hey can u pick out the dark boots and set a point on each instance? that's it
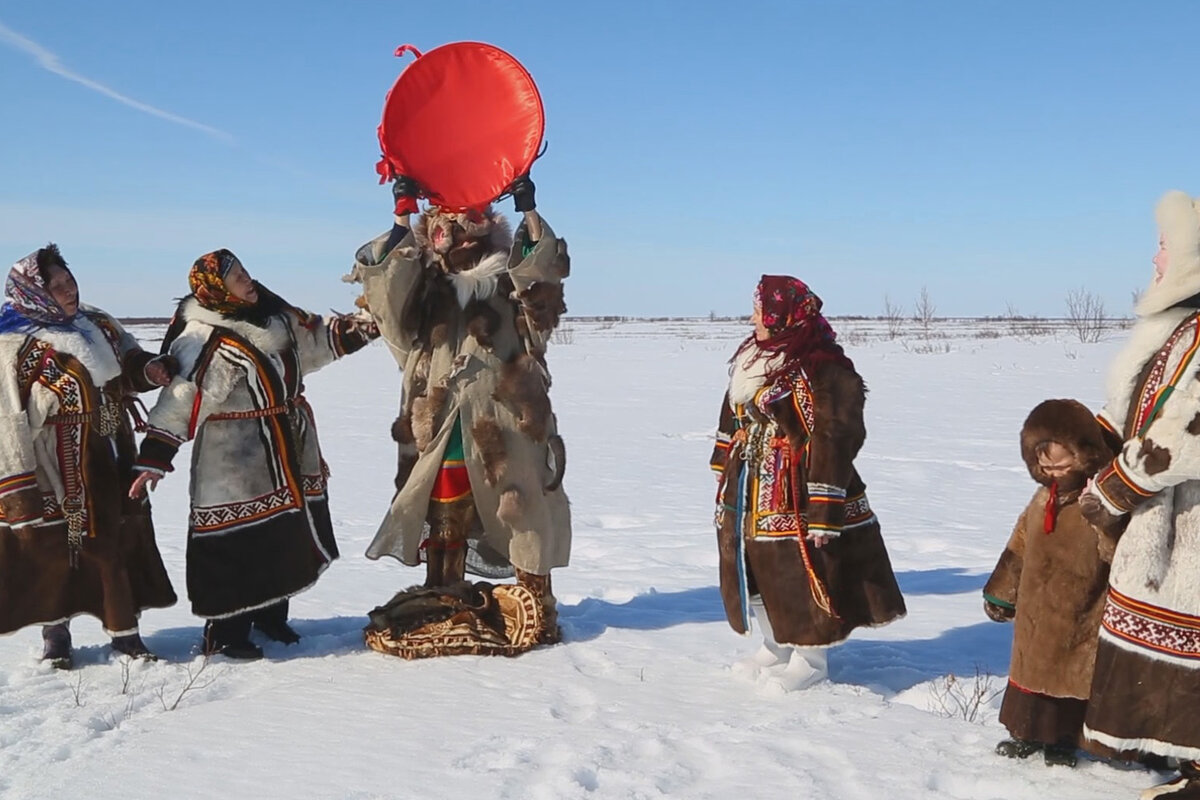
(230, 637)
(539, 585)
(132, 645)
(272, 623)
(56, 645)
(1060, 755)
(1056, 755)
(1017, 748)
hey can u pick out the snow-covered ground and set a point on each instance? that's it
(639, 701)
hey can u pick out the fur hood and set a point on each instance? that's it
(471, 251)
(1179, 223)
(1069, 423)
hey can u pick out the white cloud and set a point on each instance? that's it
(50, 62)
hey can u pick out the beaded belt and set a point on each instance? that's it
(106, 419)
(258, 413)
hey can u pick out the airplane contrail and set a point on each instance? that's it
(50, 62)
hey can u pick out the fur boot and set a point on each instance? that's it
(446, 548)
(132, 645)
(56, 645)
(539, 585)
(771, 653)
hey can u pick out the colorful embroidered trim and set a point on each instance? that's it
(1151, 627)
(15, 483)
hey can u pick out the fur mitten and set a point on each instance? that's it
(1103, 520)
(998, 613)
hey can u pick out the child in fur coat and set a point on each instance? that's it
(1057, 565)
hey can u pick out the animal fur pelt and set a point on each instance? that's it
(461, 619)
(418, 606)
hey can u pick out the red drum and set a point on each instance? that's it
(463, 120)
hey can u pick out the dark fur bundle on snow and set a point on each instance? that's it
(418, 606)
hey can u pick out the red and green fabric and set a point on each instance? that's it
(452, 482)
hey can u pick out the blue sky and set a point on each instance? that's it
(997, 152)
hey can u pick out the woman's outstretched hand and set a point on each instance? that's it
(141, 482)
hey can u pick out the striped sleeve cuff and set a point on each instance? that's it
(826, 509)
(158, 451)
(12, 484)
(1119, 493)
(21, 507)
(720, 453)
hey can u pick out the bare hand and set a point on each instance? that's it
(818, 540)
(143, 480)
(157, 374)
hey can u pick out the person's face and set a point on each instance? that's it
(760, 330)
(240, 285)
(1161, 261)
(63, 289)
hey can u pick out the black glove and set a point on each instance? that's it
(405, 191)
(522, 194)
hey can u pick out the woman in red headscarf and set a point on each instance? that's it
(798, 541)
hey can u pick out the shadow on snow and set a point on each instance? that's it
(944, 580)
(651, 611)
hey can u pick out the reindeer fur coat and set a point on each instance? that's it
(1053, 572)
(472, 348)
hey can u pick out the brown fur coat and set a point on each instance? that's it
(821, 485)
(469, 327)
(1055, 579)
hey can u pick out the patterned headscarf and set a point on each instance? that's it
(796, 329)
(207, 281)
(27, 301)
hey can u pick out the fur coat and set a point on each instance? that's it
(1054, 570)
(472, 348)
(785, 464)
(258, 528)
(71, 541)
(1146, 688)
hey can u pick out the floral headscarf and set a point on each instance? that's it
(27, 301)
(207, 281)
(796, 329)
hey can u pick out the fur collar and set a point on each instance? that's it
(97, 355)
(481, 280)
(274, 338)
(1179, 223)
(1149, 334)
(745, 379)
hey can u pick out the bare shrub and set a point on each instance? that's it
(927, 347)
(1085, 315)
(964, 698)
(192, 683)
(563, 334)
(893, 315)
(78, 689)
(923, 311)
(853, 337)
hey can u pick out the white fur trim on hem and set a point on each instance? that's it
(1154, 746)
(127, 632)
(267, 603)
